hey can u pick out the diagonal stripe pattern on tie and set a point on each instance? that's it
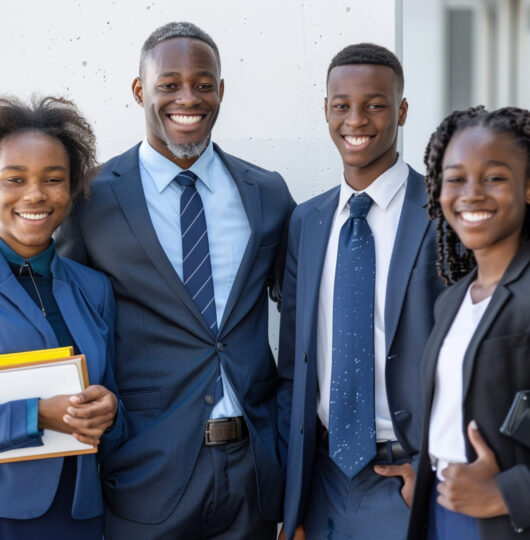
(196, 265)
(352, 443)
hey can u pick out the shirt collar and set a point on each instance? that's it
(40, 264)
(382, 190)
(163, 170)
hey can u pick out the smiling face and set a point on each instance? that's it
(181, 92)
(363, 110)
(34, 191)
(485, 191)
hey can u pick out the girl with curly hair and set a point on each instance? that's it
(47, 156)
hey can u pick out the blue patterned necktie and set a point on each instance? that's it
(352, 443)
(196, 265)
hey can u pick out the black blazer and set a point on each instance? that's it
(496, 366)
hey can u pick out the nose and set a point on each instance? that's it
(356, 117)
(35, 192)
(187, 96)
(472, 190)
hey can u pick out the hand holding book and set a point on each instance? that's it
(85, 415)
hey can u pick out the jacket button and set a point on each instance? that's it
(305, 358)
(301, 428)
(219, 346)
(209, 399)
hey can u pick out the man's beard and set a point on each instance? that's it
(188, 150)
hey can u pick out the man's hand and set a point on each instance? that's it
(299, 533)
(471, 488)
(406, 472)
(85, 415)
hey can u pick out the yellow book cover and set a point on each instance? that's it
(27, 357)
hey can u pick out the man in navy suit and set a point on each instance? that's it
(191, 239)
(356, 313)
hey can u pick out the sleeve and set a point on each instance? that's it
(514, 485)
(18, 424)
(117, 433)
(286, 355)
(276, 279)
(69, 240)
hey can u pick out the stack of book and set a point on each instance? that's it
(43, 374)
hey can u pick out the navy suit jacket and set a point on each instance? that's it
(496, 366)
(412, 288)
(84, 297)
(167, 357)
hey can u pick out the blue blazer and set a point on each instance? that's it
(86, 303)
(167, 357)
(412, 288)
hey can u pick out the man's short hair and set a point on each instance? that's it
(176, 30)
(369, 53)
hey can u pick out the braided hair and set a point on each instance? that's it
(454, 259)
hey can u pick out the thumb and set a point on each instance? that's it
(479, 444)
(386, 470)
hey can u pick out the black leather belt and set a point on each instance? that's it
(225, 430)
(387, 452)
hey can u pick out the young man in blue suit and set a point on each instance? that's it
(359, 286)
(191, 239)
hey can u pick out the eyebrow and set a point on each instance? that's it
(490, 162)
(202, 73)
(22, 168)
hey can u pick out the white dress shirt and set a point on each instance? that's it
(387, 192)
(446, 429)
(226, 222)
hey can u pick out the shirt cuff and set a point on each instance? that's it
(32, 418)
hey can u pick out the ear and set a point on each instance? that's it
(326, 108)
(221, 90)
(402, 113)
(527, 191)
(138, 91)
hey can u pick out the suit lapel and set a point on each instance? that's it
(500, 296)
(15, 293)
(250, 197)
(412, 226)
(130, 194)
(314, 242)
(78, 321)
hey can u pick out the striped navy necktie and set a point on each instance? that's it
(196, 265)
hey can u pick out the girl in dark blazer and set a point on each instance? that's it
(46, 153)
(473, 482)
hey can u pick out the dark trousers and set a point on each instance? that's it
(448, 525)
(220, 503)
(57, 522)
(368, 507)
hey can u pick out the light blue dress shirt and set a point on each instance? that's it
(226, 221)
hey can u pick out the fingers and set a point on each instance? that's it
(90, 393)
(477, 441)
(405, 470)
(93, 441)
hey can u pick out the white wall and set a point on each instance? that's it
(274, 55)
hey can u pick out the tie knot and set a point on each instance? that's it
(186, 178)
(360, 205)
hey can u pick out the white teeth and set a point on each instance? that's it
(185, 119)
(356, 141)
(34, 217)
(476, 216)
